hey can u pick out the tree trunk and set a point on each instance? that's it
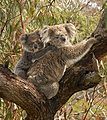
(80, 77)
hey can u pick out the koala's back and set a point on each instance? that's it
(48, 68)
(23, 64)
(46, 73)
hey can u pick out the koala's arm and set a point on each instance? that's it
(42, 52)
(23, 65)
(76, 52)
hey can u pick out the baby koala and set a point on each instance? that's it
(33, 48)
(31, 42)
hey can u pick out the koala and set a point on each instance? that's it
(33, 48)
(48, 70)
(65, 31)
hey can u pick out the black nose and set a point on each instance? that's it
(25, 36)
(35, 46)
(63, 39)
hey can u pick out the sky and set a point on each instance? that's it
(92, 4)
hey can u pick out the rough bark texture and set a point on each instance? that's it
(81, 77)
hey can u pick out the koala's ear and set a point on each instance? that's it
(37, 33)
(71, 30)
(34, 35)
(43, 31)
(45, 27)
(50, 32)
(23, 38)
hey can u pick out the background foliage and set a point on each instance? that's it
(20, 16)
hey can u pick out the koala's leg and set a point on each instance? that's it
(21, 73)
(50, 89)
(23, 65)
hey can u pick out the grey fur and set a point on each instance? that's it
(48, 71)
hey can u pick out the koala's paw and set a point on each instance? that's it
(92, 40)
(98, 37)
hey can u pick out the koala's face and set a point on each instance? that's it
(58, 35)
(32, 42)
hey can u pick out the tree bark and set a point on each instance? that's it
(77, 78)
(24, 94)
(81, 76)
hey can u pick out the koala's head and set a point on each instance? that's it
(58, 35)
(31, 42)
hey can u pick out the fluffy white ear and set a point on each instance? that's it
(71, 30)
(45, 27)
(45, 34)
(43, 31)
(47, 31)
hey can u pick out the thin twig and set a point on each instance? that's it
(50, 3)
(2, 29)
(96, 109)
(21, 19)
(90, 105)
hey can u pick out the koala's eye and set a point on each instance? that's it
(57, 37)
(48, 44)
(62, 37)
(35, 46)
(41, 45)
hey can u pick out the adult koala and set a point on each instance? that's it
(48, 70)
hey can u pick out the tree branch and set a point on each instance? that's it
(24, 94)
(77, 78)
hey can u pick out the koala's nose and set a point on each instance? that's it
(35, 46)
(25, 36)
(63, 39)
